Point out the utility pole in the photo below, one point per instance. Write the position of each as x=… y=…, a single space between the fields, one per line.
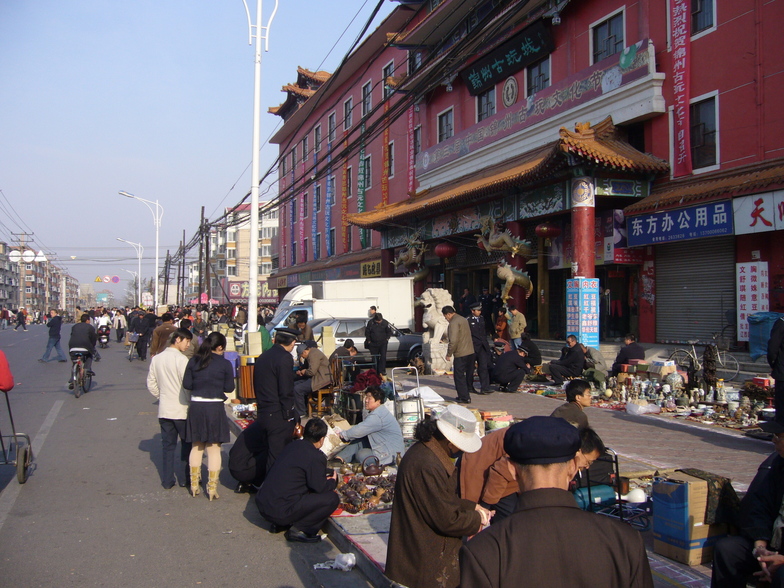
x=165 y=278
x=207 y=264
x=201 y=256
x=179 y=272
x=182 y=264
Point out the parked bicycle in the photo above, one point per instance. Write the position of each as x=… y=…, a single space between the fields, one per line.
x=727 y=366
x=81 y=379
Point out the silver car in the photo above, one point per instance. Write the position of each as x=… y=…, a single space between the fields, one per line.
x=402 y=347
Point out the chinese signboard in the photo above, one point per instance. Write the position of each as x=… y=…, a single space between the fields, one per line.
x=582 y=310
x=706 y=220
x=608 y=75
x=239 y=291
x=753 y=293
x=681 y=42
x=522 y=50
x=614 y=241
x=759 y=213
x=371 y=269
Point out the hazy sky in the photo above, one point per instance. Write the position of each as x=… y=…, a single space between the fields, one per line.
x=153 y=97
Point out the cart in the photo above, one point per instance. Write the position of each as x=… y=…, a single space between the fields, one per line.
x=408 y=411
x=16 y=446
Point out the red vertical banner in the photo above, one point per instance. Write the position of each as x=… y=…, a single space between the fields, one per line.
x=681 y=41
x=385 y=162
x=344 y=200
x=411 y=154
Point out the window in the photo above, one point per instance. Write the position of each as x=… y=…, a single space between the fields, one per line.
x=608 y=37
x=221 y=264
x=368 y=170
x=29 y=278
x=231 y=235
x=317 y=139
x=294 y=254
x=702 y=12
x=331 y=190
x=485 y=105
x=703 y=133
x=367 y=98
x=305 y=148
x=349 y=235
x=331 y=126
x=538 y=76
x=417 y=140
x=445 y=126
x=305 y=250
x=414 y=61
x=231 y=270
x=305 y=205
x=332 y=240
x=29 y=266
x=294 y=159
x=265 y=250
x=231 y=254
x=349 y=182
x=317 y=197
x=348 y=107
x=317 y=247
x=387 y=72
x=28 y=290
x=265 y=268
x=391 y=159
x=294 y=209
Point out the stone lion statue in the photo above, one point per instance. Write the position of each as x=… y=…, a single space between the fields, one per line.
x=433 y=300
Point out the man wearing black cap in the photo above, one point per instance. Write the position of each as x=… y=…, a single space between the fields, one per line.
x=522 y=549
x=569 y=365
x=759 y=548
x=481 y=349
x=273 y=384
x=511 y=369
x=377 y=334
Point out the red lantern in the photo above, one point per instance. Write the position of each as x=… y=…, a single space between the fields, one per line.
x=548 y=231
x=446 y=250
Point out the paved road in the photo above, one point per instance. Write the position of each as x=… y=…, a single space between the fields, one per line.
x=93 y=512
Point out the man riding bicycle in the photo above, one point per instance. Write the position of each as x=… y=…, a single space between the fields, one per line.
x=83 y=336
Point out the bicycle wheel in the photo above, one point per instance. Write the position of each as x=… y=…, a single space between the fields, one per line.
x=682 y=359
x=727 y=367
x=77 y=380
x=87 y=381
x=130 y=351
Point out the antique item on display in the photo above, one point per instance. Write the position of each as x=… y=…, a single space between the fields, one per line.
x=494 y=238
x=412 y=255
x=513 y=277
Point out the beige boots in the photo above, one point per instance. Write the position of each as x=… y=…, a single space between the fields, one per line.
x=195 y=479
x=212 y=484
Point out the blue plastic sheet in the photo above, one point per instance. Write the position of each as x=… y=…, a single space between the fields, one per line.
x=760 y=325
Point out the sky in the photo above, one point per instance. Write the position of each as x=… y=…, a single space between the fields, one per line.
x=153 y=97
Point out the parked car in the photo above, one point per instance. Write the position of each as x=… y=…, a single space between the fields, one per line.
x=402 y=347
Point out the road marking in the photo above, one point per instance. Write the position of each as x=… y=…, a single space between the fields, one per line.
x=9 y=495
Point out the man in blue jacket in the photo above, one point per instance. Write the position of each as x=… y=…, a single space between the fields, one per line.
x=378 y=434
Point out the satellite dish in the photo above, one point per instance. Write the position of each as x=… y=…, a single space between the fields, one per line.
x=14 y=256
x=28 y=256
x=40 y=256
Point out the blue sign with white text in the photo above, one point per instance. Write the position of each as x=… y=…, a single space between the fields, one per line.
x=582 y=310
x=706 y=220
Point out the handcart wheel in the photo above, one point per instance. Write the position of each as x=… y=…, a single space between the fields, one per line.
x=22 y=457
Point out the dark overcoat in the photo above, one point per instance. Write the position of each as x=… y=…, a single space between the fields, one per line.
x=428 y=520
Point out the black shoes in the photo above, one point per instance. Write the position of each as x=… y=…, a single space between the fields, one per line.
x=483 y=392
x=295 y=535
x=275 y=529
x=42 y=361
x=243 y=488
x=461 y=401
x=62 y=361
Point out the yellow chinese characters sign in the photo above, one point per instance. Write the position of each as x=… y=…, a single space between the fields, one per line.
x=371 y=269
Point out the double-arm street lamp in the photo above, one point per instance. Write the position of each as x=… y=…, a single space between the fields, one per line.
x=157 y=215
x=139 y=252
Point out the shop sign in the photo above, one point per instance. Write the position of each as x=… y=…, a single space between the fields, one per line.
x=241 y=291
x=615 y=243
x=351 y=271
x=616 y=71
x=759 y=213
x=753 y=294
x=630 y=188
x=529 y=45
x=681 y=44
x=371 y=269
x=582 y=310
x=281 y=282
x=706 y=220
x=545 y=200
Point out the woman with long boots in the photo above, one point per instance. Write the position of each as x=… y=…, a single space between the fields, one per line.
x=208 y=376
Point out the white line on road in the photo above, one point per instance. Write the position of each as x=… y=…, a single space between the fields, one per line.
x=11 y=492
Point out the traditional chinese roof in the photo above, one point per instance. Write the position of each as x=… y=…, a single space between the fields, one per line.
x=722 y=184
x=317 y=76
x=307 y=84
x=598 y=146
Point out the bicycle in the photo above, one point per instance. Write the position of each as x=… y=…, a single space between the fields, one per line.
x=132 y=339
x=727 y=366
x=81 y=379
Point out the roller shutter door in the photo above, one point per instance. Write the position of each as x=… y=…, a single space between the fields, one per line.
x=695 y=287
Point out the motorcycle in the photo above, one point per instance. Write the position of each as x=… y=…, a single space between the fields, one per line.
x=103 y=336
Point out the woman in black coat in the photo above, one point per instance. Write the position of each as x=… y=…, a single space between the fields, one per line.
x=208 y=376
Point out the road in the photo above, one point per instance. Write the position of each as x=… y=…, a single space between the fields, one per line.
x=94 y=513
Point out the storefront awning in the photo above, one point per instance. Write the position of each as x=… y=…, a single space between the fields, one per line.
x=597 y=146
x=718 y=185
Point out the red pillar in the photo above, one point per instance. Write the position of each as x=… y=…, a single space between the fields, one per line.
x=583 y=218
x=387 y=269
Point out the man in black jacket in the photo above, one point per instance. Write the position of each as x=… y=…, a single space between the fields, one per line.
x=54 y=324
x=510 y=369
x=476 y=323
x=298 y=496
x=631 y=350
x=273 y=385
x=776 y=362
x=759 y=546
x=377 y=334
x=83 y=336
x=569 y=365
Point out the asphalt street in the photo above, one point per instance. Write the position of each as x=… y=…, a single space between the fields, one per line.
x=93 y=511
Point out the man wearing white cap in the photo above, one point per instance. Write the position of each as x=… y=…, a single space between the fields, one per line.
x=429 y=520
x=525 y=549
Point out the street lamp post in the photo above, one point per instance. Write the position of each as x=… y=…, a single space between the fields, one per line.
x=139 y=252
x=157 y=215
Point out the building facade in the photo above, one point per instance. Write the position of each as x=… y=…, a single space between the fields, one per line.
x=521 y=145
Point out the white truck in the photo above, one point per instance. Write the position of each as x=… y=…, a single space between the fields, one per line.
x=393 y=298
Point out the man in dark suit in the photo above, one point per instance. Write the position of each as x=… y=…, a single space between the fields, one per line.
x=518 y=551
x=569 y=365
x=630 y=350
x=476 y=323
x=776 y=363
x=273 y=384
x=298 y=495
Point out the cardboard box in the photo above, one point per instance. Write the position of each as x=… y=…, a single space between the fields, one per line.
x=679 y=528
